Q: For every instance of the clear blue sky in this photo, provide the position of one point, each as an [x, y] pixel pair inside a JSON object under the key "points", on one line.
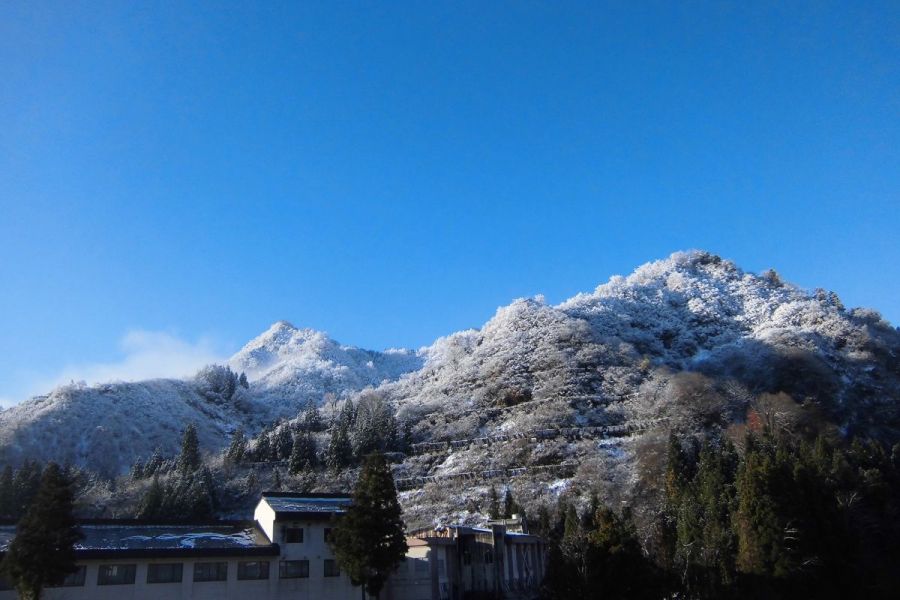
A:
{"points": [[392, 172]]}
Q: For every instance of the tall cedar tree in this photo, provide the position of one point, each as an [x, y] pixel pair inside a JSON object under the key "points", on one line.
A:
{"points": [[189, 459], [303, 454], [369, 541], [237, 448], [42, 553]]}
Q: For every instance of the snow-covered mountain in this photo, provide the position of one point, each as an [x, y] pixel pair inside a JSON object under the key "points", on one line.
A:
{"points": [[689, 342], [290, 364], [108, 427]]}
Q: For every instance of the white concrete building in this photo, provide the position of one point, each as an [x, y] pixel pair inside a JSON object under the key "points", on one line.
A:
{"points": [[281, 554], [284, 553]]}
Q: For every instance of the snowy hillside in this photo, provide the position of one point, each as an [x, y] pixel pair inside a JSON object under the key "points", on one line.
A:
{"points": [[288, 365], [686, 343], [107, 427], [577, 395]]}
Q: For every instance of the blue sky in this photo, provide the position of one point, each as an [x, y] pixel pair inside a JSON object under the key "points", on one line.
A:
{"points": [[175, 178]]}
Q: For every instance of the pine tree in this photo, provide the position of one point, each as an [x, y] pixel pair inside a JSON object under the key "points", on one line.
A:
{"points": [[339, 453], [284, 443], [494, 510], [252, 482], [263, 450], [369, 541], [137, 470], [189, 459], [276, 479], [312, 420], [7, 493], [509, 505], [303, 456], [42, 553], [242, 381], [26, 483], [151, 506], [237, 448]]}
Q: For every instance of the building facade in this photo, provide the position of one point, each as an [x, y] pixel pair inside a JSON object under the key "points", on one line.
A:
{"points": [[284, 553], [469, 563]]}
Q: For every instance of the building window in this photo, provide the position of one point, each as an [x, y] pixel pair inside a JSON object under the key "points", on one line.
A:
{"points": [[164, 572], [292, 535], [328, 534], [257, 569], [331, 568], [211, 571], [75, 579], [293, 569], [116, 574]]}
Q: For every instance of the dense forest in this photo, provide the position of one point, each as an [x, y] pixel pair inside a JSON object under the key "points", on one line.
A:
{"points": [[777, 515]]}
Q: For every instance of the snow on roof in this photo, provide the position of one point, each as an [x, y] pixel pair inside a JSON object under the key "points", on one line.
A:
{"points": [[292, 503], [130, 535]]}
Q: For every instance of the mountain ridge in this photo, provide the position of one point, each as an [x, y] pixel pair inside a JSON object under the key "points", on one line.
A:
{"points": [[691, 312]]}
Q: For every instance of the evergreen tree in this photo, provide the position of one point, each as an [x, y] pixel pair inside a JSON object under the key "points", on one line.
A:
{"points": [[42, 553], [26, 483], [312, 420], [284, 443], [252, 482], [276, 479], [494, 510], [155, 464], [303, 455], [189, 459], [7, 493], [369, 541], [137, 470], [242, 381], [237, 448], [509, 505], [339, 453], [151, 506], [263, 450]]}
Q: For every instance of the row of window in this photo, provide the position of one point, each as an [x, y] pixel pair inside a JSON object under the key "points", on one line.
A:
{"points": [[203, 571], [294, 535]]}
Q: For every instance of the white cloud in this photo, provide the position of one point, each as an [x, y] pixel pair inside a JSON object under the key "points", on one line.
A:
{"points": [[145, 355]]}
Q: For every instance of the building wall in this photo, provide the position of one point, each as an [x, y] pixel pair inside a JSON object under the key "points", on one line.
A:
{"points": [[314, 548]]}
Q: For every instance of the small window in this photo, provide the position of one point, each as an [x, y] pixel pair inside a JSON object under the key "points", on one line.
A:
{"points": [[75, 579], [211, 571], [164, 572], [292, 535], [257, 569], [116, 574], [331, 568], [328, 534], [293, 569]]}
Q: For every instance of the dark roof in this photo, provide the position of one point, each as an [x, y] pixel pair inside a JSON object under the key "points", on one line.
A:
{"points": [[139, 539], [290, 504]]}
